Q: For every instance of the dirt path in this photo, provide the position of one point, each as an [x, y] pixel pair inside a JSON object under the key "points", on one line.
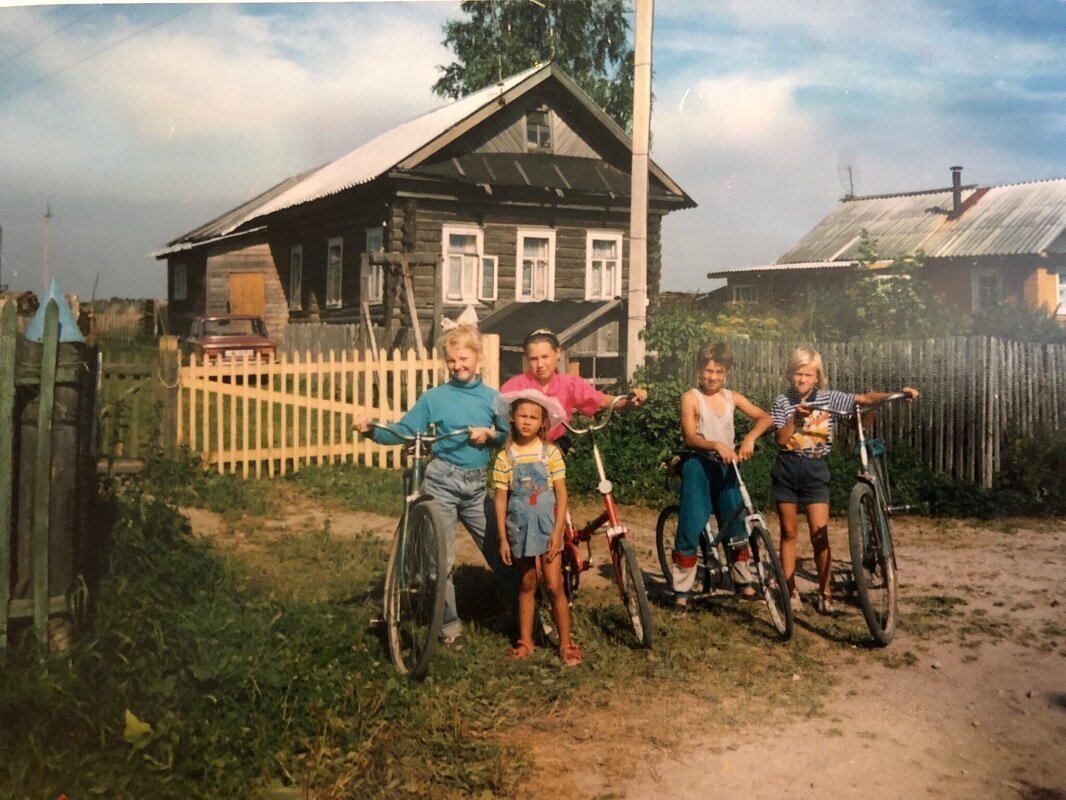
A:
{"points": [[968, 702], [978, 709]]}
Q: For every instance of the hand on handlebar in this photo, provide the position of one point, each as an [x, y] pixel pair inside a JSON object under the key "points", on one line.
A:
{"points": [[637, 397], [362, 425], [910, 392], [482, 435], [726, 453]]}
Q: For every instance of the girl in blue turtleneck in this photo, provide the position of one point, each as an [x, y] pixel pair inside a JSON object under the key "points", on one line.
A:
{"points": [[455, 476]]}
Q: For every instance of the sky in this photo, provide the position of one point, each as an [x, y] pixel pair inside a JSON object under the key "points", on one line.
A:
{"points": [[136, 123]]}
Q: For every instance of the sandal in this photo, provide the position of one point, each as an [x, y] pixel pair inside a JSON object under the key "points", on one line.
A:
{"points": [[823, 604], [519, 651], [571, 655]]}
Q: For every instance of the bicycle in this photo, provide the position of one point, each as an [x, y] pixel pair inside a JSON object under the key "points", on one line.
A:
{"points": [[628, 577], [415, 581], [870, 509], [718, 559]]}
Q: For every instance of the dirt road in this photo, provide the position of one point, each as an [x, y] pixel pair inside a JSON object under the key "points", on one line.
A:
{"points": [[969, 701]]}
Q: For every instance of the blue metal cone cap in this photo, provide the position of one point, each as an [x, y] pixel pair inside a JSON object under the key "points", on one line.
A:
{"points": [[68, 328]]}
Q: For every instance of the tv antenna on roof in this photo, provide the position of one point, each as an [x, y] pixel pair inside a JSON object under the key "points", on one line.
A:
{"points": [[847, 171]]}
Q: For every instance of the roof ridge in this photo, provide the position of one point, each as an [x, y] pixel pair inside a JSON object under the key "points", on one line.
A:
{"points": [[967, 187]]}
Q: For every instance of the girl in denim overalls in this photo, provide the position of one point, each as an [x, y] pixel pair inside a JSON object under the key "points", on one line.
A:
{"points": [[530, 479]]}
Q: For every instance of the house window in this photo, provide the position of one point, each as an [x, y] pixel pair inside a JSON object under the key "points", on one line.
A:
{"points": [[748, 293], [536, 265], [489, 275], [987, 289], [334, 262], [538, 130], [1061, 310], [296, 277], [603, 267], [463, 270], [375, 276], [181, 282]]}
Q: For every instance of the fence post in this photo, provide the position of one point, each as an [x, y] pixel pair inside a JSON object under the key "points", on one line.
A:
{"points": [[7, 455], [43, 471], [490, 360], [167, 385]]}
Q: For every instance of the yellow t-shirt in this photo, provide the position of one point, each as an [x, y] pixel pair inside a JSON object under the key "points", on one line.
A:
{"points": [[532, 452]]}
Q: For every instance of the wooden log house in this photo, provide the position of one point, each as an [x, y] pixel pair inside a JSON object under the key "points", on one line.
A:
{"points": [[518, 193]]}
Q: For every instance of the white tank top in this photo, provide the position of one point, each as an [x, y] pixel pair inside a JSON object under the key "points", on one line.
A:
{"points": [[715, 427]]}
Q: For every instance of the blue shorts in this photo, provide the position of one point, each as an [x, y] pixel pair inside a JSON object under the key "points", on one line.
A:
{"points": [[800, 480]]}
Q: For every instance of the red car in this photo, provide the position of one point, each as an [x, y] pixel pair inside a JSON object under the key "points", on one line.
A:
{"points": [[229, 336]]}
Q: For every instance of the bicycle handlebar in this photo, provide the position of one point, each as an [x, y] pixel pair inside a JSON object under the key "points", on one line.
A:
{"points": [[424, 437], [590, 428]]}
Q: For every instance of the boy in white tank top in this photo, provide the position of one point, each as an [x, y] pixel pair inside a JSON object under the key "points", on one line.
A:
{"points": [[708, 484]]}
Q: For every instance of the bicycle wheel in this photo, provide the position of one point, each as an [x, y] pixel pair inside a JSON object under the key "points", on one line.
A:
{"points": [[634, 596], [415, 586], [665, 533], [770, 580], [872, 563]]}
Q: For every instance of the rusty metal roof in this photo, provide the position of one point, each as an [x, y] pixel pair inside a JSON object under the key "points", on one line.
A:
{"points": [[1014, 219]]}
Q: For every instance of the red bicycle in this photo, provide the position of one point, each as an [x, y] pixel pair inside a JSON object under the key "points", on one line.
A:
{"points": [[628, 577]]}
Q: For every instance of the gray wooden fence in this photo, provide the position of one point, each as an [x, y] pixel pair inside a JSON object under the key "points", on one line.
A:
{"points": [[976, 391]]}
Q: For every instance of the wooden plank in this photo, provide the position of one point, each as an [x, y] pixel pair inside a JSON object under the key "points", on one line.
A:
{"points": [[412, 309], [43, 471], [8, 339], [220, 445], [283, 408]]}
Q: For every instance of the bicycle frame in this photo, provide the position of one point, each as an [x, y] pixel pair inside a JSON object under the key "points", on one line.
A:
{"points": [[872, 469], [609, 516]]}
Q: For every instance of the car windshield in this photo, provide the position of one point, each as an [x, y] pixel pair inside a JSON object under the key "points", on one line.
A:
{"points": [[232, 327]]}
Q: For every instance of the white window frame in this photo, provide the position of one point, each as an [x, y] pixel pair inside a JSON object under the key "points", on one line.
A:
{"points": [[296, 277], [469, 284], [375, 275], [335, 273], [493, 263], [976, 277], [537, 147], [615, 290], [534, 233], [733, 292], [1060, 293], [180, 271]]}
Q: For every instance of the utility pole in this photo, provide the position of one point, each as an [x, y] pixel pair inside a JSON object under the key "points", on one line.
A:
{"points": [[47, 236], [637, 296], [3, 288]]}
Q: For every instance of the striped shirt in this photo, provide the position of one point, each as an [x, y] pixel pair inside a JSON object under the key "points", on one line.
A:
{"points": [[813, 436], [532, 452]]}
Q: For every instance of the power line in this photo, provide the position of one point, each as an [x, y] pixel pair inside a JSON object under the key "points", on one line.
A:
{"points": [[43, 39], [82, 60]]}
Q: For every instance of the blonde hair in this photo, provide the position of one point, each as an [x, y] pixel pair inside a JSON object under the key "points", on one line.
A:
{"points": [[807, 357], [463, 336]]}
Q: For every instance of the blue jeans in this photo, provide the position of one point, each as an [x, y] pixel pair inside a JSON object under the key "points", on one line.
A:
{"points": [[460, 495], [707, 486]]}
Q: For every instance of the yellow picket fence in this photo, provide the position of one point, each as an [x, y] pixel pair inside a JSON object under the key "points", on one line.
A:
{"points": [[257, 416]]}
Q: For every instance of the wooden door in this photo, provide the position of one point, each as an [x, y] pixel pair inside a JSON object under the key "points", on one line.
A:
{"points": [[247, 293]]}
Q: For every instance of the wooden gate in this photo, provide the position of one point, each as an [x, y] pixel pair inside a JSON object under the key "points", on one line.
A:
{"points": [[255, 416]]}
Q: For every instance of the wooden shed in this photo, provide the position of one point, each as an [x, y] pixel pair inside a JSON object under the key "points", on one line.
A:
{"points": [[518, 193]]}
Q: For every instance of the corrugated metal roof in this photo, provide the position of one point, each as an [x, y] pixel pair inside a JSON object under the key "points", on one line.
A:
{"points": [[801, 265], [226, 223], [403, 146], [1022, 218]]}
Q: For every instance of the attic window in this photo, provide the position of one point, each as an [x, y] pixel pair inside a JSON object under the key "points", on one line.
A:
{"points": [[538, 131]]}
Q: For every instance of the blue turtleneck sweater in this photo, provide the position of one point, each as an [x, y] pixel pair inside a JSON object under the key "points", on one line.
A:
{"points": [[451, 406]]}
